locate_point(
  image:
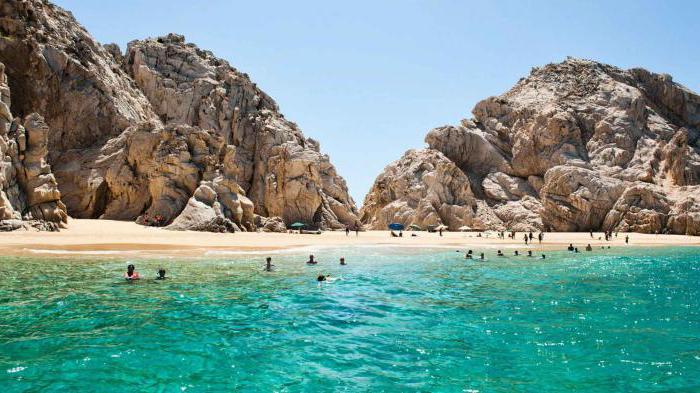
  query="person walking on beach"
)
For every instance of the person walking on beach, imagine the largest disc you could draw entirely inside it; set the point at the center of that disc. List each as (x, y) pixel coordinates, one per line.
(440, 230)
(530, 236)
(526, 239)
(627, 239)
(347, 231)
(540, 236)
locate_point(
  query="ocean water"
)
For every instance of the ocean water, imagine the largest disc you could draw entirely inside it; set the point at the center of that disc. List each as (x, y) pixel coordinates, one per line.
(393, 320)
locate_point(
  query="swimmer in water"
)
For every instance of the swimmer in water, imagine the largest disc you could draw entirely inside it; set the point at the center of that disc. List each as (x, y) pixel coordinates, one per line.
(342, 261)
(589, 248)
(516, 253)
(131, 273)
(529, 253)
(268, 264)
(326, 278)
(544, 256)
(571, 247)
(467, 256)
(161, 274)
(481, 255)
(311, 260)
(500, 254)
(576, 250)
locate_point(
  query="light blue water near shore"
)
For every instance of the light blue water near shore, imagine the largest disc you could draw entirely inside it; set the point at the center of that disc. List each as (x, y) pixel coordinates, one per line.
(397, 320)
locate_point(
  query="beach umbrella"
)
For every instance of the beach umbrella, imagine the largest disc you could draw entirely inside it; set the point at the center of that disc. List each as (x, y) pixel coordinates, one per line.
(464, 228)
(394, 226)
(415, 227)
(439, 227)
(298, 225)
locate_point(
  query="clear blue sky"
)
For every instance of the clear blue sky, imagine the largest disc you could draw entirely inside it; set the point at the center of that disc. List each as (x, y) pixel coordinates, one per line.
(369, 79)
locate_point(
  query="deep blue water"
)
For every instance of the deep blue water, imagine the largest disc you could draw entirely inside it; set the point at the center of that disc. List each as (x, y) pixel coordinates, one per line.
(394, 320)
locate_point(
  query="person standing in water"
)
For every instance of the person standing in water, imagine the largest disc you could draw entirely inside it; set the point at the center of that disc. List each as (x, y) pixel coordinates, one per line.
(311, 260)
(589, 248)
(131, 273)
(342, 261)
(268, 264)
(161, 274)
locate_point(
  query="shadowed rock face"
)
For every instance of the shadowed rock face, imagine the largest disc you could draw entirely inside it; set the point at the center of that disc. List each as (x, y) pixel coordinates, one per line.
(144, 134)
(29, 195)
(575, 146)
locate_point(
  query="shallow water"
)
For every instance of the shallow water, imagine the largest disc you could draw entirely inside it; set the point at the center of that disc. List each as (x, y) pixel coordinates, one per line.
(395, 320)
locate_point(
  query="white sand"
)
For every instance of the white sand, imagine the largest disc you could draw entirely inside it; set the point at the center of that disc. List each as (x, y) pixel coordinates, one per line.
(105, 237)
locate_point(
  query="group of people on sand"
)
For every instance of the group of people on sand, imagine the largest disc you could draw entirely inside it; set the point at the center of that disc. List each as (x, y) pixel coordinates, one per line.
(132, 274)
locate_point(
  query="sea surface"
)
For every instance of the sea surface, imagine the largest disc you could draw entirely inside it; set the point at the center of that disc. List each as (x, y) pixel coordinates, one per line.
(392, 320)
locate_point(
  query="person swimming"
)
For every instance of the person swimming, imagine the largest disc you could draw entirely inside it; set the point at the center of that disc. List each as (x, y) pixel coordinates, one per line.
(499, 253)
(529, 253)
(481, 256)
(467, 256)
(576, 249)
(311, 260)
(321, 277)
(571, 247)
(131, 273)
(516, 253)
(544, 256)
(161, 274)
(268, 264)
(342, 261)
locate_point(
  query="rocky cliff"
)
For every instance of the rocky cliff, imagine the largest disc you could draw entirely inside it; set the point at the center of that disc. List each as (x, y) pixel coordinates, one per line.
(575, 146)
(165, 130)
(29, 195)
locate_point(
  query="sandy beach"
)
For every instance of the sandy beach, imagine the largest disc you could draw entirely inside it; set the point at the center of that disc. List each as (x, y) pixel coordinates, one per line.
(104, 237)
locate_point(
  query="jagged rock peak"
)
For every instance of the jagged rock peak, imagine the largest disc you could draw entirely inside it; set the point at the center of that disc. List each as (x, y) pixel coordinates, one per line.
(581, 139)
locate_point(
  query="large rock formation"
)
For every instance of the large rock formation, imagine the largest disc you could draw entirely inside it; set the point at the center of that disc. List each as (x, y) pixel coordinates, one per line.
(29, 195)
(150, 133)
(281, 171)
(575, 146)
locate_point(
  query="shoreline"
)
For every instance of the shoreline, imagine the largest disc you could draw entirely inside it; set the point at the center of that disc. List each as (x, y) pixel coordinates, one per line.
(121, 238)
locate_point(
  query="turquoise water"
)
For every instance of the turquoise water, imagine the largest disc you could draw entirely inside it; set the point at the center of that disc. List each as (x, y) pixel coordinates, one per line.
(396, 320)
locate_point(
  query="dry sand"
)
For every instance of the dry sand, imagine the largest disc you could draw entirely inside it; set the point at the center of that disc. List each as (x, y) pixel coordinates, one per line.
(104, 237)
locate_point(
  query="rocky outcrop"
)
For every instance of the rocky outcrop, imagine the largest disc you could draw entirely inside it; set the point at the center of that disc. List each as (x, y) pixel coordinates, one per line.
(134, 136)
(282, 172)
(424, 188)
(29, 195)
(577, 146)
